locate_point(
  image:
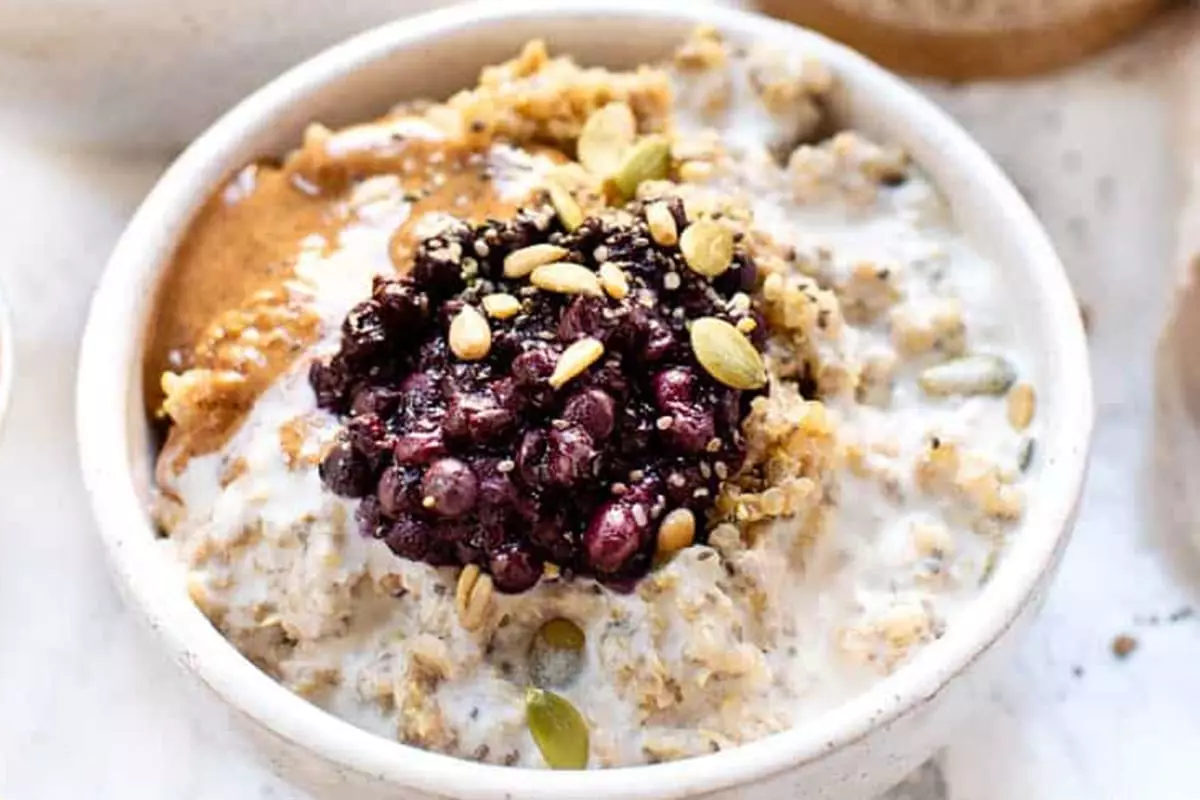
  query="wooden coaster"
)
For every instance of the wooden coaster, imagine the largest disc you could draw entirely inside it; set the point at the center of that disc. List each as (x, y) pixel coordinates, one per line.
(966, 39)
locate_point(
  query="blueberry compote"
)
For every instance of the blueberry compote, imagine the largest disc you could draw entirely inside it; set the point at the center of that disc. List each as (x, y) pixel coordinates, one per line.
(484, 461)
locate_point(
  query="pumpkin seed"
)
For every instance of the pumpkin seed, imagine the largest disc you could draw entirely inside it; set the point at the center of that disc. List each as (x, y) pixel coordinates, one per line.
(557, 728)
(707, 247)
(977, 374)
(726, 354)
(470, 336)
(556, 653)
(501, 305)
(648, 160)
(605, 137)
(613, 281)
(677, 531)
(520, 263)
(563, 634)
(575, 360)
(564, 204)
(566, 278)
(662, 224)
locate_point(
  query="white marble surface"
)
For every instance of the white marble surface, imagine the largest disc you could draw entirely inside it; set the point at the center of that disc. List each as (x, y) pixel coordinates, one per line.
(89, 708)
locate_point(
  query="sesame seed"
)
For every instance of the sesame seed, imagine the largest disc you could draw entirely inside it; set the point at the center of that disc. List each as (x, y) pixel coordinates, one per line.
(481, 248)
(675, 479)
(721, 469)
(705, 469)
(701, 492)
(671, 281)
(507, 465)
(619, 488)
(639, 514)
(601, 253)
(663, 423)
(559, 424)
(636, 475)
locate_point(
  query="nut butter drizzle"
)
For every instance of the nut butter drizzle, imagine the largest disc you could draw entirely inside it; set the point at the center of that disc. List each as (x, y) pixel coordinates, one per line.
(230, 302)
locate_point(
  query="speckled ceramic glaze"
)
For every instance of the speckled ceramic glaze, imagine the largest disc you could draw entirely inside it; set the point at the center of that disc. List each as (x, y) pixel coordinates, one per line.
(851, 752)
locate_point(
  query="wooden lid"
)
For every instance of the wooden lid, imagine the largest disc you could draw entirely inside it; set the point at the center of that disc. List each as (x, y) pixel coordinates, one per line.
(965, 39)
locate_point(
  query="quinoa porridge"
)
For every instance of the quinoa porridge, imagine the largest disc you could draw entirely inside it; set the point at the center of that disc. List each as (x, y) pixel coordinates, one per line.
(588, 418)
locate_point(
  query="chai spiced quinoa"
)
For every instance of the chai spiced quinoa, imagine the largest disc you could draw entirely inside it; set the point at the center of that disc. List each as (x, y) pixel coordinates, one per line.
(588, 418)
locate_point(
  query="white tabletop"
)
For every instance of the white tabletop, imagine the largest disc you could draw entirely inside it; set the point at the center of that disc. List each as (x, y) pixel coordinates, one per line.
(90, 708)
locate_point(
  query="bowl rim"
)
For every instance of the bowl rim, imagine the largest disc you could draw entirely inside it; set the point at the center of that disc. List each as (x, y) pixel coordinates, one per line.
(110, 355)
(8, 358)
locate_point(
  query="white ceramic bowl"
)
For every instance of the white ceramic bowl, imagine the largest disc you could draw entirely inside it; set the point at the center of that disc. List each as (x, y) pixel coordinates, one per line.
(8, 358)
(851, 752)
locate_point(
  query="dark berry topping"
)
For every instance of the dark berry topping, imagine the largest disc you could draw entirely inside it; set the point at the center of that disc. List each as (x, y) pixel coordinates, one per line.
(526, 456)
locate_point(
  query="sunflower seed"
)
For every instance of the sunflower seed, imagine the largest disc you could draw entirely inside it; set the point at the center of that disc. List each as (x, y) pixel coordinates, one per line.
(520, 263)
(662, 224)
(501, 305)
(566, 278)
(1021, 404)
(472, 596)
(470, 336)
(613, 281)
(677, 531)
(575, 360)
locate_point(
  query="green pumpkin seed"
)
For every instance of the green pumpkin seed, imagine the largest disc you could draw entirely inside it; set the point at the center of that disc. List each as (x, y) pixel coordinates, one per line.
(648, 160)
(558, 729)
(707, 247)
(977, 374)
(605, 137)
(563, 634)
(726, 354)
(556, 654)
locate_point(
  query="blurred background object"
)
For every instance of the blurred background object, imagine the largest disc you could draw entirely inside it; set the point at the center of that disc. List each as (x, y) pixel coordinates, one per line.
(143, 74)
(133, 74)
(968, 39)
